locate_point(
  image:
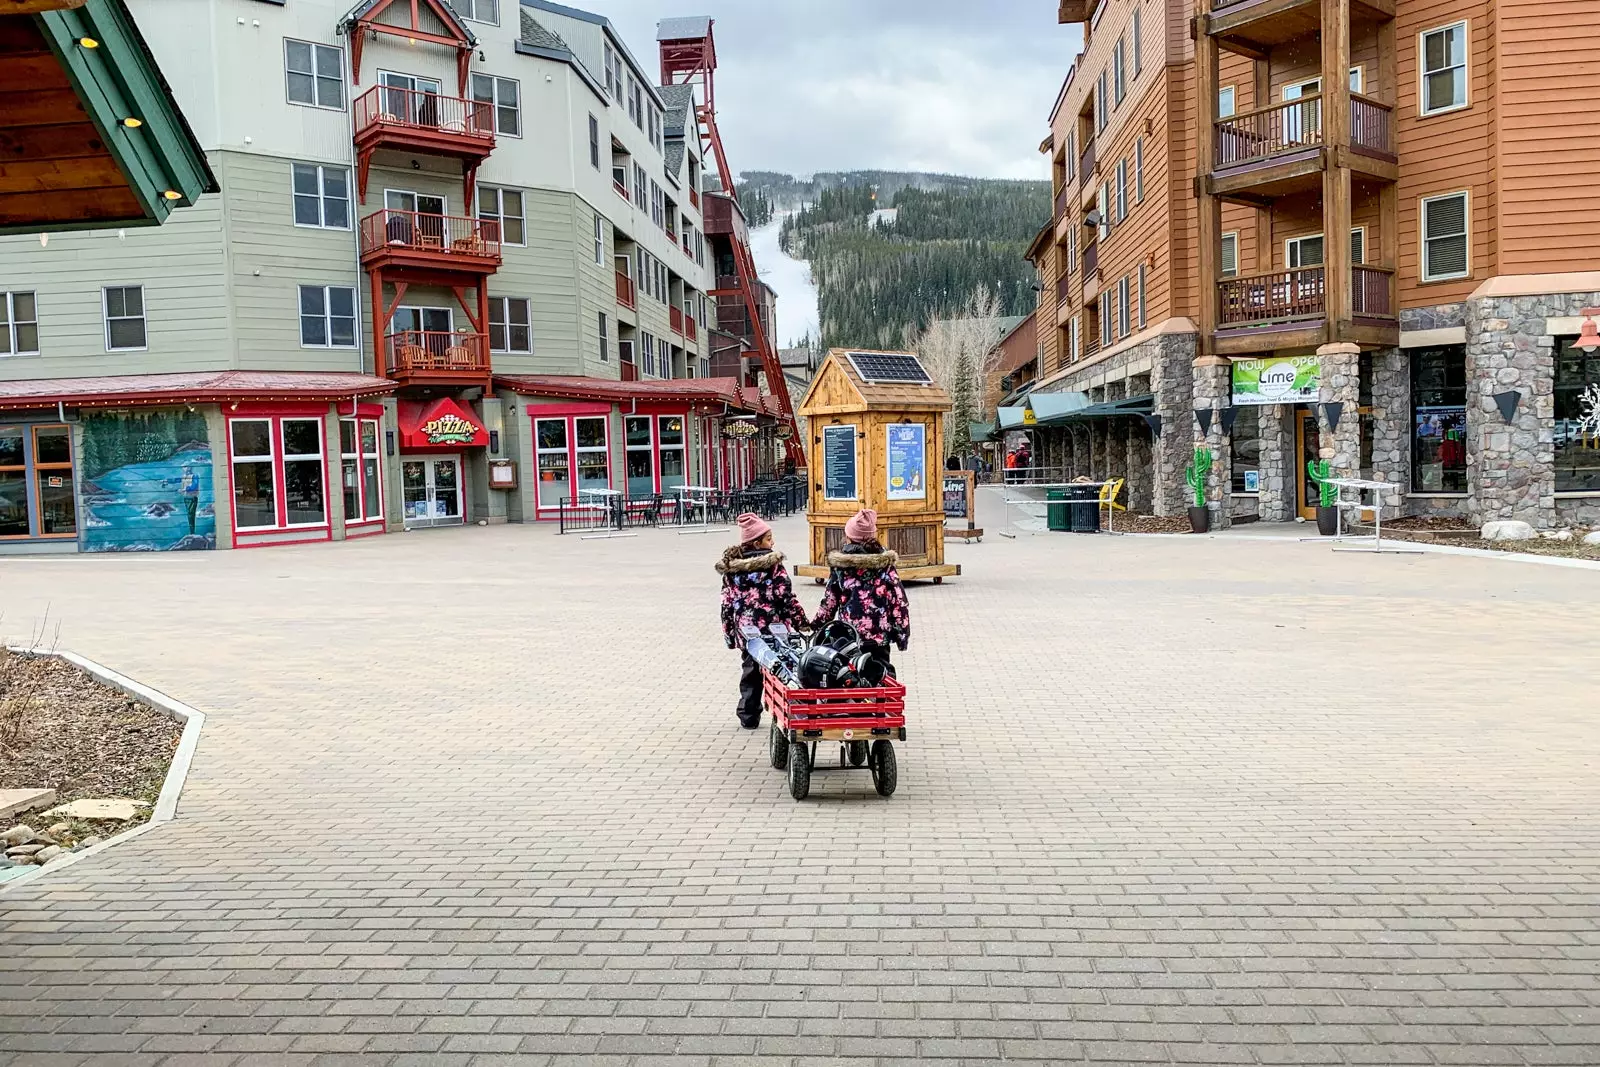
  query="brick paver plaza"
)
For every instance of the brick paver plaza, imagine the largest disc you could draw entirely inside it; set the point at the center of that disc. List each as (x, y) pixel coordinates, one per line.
(477, 796)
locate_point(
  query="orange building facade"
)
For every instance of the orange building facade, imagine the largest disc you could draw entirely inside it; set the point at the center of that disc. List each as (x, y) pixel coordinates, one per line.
(1202, 154)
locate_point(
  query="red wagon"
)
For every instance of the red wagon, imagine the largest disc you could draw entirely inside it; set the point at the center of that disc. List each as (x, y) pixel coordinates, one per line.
(864, 722)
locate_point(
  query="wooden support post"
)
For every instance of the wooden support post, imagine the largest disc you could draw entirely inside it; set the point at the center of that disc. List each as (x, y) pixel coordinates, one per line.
(1336, 177)
(1209, 235)
(379, 356)
(1387, 85)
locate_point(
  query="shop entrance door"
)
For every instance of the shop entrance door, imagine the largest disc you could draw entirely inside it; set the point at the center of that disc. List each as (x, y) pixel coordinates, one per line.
(432, 487)
(1307, 447)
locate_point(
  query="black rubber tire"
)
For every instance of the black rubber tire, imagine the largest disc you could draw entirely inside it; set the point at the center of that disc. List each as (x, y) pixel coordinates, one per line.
(777, 747)
(858, 753)
(884, 772)
(938, 581)
(799, 772)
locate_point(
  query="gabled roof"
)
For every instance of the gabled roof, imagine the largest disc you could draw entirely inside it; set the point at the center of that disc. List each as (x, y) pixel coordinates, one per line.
(837, 388)
(535, 39)
(647, 81)
(683, 29)
(678, 101)
(441, 8)
(672, 154)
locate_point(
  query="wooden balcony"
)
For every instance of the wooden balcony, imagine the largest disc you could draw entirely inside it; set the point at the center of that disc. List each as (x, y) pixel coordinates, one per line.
(1289, 308)
(1251, 25)
(1071, 11)
(1371, 127)
(405, 120)
(675, 317)
(1063, 287)
(625, 291)
(1372, 294)
(690, 329)
(694, 199)
(1091, 258)
(414, 357)
(1274, 297)
(1259, 134)
(1086, 164)
(630, 371)
(414, 240)
(1063, 201)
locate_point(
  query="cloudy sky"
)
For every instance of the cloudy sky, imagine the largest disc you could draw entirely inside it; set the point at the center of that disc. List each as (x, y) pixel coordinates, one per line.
(959, 86)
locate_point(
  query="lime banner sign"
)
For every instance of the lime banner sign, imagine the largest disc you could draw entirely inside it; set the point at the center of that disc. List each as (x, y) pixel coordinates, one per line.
(1277, 380)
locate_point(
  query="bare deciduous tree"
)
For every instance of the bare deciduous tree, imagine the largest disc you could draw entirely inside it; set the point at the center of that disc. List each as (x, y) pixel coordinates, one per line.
(959, 355)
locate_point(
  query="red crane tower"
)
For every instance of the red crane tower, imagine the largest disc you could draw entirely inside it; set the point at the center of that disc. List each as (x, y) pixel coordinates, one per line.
(689, 57)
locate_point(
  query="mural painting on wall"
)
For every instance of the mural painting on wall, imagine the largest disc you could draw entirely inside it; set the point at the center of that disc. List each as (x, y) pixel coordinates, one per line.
(146, 482)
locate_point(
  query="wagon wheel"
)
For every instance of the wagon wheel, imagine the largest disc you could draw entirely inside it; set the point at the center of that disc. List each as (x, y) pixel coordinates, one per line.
(816, 581)
(858, 753)
(938, 581)
(777, 747)
(799, 772)
(884, 772)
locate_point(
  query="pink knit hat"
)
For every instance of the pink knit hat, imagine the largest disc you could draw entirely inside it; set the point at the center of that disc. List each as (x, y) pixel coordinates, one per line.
(752, 527)
(863, 525)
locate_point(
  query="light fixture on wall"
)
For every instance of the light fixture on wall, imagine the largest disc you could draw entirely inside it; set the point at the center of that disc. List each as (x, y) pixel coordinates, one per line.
(132, 123)
(1588, 335)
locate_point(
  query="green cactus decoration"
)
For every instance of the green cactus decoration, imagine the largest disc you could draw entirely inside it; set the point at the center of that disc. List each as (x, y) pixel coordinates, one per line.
(1195, 474)
(1319, 472)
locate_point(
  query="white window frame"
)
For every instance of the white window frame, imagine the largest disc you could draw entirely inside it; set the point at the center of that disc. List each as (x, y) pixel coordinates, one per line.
(476, 6)
(10, 324)
(599, 239)
(1295, 243)
(1227, 102)
(1138, 41)
(270, 460)
(502, 305)
(322, 197)
(1465, 65)
(1354, 230)
(1142, 279)
(359, 456)
(1422, 233)
(1102, 107)
(1076, 337)
(1138, 171)
(594, 142)
(1124, 306)
(499, 215)
(495, 103)
(1231, 237)
(1107, 331)
(284, 458)
(1103, 209)
(1122, 190)
(605, 339)
(328, 316)
(316, 90)
(1119, 71)
(143, 316)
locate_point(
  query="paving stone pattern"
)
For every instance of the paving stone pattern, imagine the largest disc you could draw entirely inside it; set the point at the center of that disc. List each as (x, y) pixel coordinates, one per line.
(477, 796)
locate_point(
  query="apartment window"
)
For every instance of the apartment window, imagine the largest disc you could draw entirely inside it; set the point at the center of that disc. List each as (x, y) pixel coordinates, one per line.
(1138, 42)
(658, 205)
(1230, 254)
(599, 240)
(1443, 69)
(1358, 245)
(1103, 209)
(277, 473)
(1122, 189)
(503, 208)
(19, 324)
(1106, 324)
(478, 10)
(1439, 418)
(505, 96)
(1102, 111)
(1577, 439)
(647, 348)
(1072, 250)
(1245, 443)
(625, 351)
(700, 248)
(361, 469)
(510, 324)
(613, 72)
(315, 73)
(1068, 172)
(640, 456)
(1141, 295)
(36, 482)
(1444, 237)
(605, 340)
(664, 357)
(635, 102)
(327, 316)
(321, 196)
(594, 142)
(1119, 66)
(1303, 252)
(1138, 171)
(1124, 304)
(1226, 101)
(639, 274)
(1077, 337)
(124, 307)
(640, 198)
(654, 117)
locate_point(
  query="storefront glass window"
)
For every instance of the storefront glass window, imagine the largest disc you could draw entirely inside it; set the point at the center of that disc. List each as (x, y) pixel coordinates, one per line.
(554, 470)
(1247, 449)
(359, 470)
(594, 465)
(641, 464)
(1577, 419)
(13, 483)
(254, 502)
(52, 471)
(672, 454)
(302, 472)
(1439, 420)
(372, 479)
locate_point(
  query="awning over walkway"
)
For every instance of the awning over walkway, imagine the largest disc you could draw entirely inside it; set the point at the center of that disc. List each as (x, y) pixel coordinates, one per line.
(1010, 418)
(1134, 406)
(981, 432)
(1047, 406)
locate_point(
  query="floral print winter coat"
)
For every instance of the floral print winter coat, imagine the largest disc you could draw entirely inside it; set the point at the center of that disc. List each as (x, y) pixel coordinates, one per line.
(756, 591)
(864, 590)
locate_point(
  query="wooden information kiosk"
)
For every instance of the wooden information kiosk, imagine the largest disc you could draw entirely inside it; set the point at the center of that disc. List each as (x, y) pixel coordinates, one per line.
(875, 439)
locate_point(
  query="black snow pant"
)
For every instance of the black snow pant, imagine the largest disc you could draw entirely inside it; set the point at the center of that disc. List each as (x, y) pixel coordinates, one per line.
(749, 692)
(881, 654)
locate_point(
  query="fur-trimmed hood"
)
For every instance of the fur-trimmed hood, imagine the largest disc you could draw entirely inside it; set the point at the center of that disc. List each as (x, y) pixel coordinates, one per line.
(862, 561)
(733, 561)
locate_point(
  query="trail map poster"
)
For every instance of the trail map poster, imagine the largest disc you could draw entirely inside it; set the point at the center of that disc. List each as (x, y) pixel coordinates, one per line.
(839, 463)
(908, 461)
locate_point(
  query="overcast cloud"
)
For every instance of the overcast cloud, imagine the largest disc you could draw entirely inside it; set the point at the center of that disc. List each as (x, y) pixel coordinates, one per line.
(958, 86)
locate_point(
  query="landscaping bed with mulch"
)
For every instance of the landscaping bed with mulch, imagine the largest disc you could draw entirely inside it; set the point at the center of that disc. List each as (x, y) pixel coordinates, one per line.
(1440, 531)
(62, 730)
(1132, 522)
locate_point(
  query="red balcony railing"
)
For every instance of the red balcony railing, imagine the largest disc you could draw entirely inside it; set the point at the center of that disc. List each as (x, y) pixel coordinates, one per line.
(675, 315)
(630, 371)
(1372, 292)
(402, 110)
(1265, 131)
(690, 330)
(694, 199)
(620, 189)
(1276, 296)
(436, 352)
(1371, 126)
(439, 238)
(625, 293)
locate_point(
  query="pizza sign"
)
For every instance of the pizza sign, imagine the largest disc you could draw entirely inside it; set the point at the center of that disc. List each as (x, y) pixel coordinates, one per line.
(450, 429)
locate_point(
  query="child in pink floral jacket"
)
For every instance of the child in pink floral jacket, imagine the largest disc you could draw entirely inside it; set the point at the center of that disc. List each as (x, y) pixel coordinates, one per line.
(756, 591)
(864, 590)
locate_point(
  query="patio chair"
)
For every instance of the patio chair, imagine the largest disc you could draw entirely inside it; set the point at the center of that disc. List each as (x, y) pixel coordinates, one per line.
(1108, 499)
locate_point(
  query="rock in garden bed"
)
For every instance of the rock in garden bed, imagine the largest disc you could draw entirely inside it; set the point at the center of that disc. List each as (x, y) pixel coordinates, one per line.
(64, 731)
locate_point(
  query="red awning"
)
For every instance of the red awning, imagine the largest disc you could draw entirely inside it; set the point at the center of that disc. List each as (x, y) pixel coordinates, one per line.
(441, 425)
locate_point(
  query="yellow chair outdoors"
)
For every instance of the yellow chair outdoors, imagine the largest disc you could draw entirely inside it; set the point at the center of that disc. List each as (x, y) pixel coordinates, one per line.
(1108, 500)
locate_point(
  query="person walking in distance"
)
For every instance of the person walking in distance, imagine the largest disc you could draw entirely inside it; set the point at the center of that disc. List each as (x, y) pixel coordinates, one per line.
(756, 591)
(864, 590)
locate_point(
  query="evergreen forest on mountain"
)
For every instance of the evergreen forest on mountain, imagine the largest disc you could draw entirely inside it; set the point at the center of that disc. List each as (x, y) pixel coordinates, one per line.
(884, 276)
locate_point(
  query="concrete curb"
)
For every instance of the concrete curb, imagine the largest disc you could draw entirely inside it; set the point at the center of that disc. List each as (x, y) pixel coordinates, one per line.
(1409, 546)
(177, 773)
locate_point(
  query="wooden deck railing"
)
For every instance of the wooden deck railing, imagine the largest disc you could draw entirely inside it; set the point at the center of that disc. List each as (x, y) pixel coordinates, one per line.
(1063, 201)
(1372, 292)
(410, 109)
(1086, 163)
(690, 330)
(1272, 297)
(625, 295)
(418, 231)
(675, 317)
(1091, 258)
(1371, 126)
(1264, 131)
(436, 352)
(1062, 285)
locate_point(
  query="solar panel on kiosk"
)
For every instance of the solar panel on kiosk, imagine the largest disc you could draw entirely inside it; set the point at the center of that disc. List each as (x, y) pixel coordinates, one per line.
(889, 367)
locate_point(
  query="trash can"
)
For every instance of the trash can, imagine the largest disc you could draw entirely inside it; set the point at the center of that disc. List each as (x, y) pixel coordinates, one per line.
(1056, 517)
(1085, 509)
